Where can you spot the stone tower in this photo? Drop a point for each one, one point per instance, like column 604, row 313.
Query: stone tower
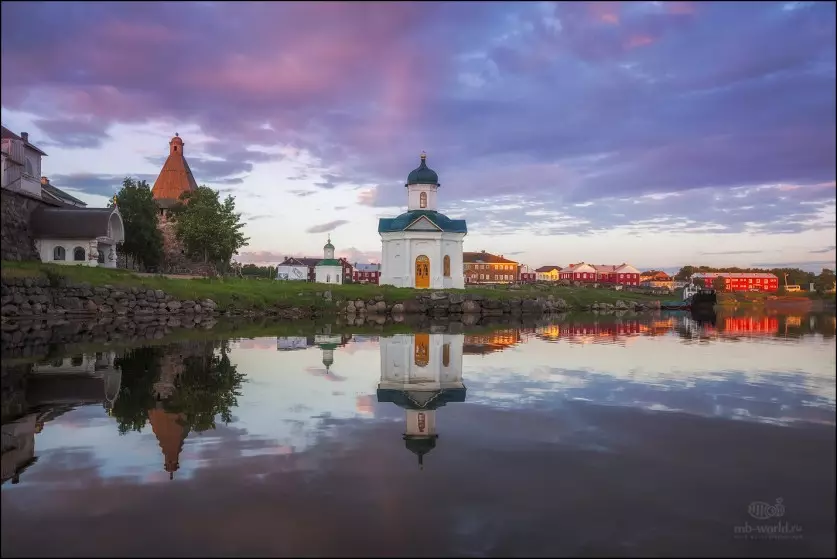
column 174, row 179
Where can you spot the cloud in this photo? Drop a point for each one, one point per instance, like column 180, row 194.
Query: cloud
column 302, row 193
column 328, row 226
column 562, row 104
column 103, row 185
column 354, row 255
column 807, row 265
column 824, row 250
column 727, row 252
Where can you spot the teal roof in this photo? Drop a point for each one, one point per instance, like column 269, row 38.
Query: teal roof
column 400, row 223
column 329, row 262
column 328, row 245
column 423, row 174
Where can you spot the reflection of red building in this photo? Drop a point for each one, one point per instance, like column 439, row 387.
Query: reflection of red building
column 750, row 325
column 591, row 330
column 488, row 343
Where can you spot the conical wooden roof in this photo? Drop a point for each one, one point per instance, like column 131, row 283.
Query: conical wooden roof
column 171, row 430
column 175, row 177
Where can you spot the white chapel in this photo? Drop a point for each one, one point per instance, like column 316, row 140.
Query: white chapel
column 329, row 269
column 422, row 247
column 421, row 373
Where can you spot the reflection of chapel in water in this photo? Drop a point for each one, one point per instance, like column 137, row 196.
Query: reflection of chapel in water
column 421, row 373
column 325, row 340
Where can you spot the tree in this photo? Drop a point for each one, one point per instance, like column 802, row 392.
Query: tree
column 143, row 241
column 825, row 280
column 718, row 284
column 685, row 273
column 209, row 229
column 140, row 369
column 208, row 387
column 699, row 282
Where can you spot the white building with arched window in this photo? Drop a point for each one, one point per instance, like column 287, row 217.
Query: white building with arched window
column 329, row 269
column 422, row 247
column 78, row 236
column 420, row 373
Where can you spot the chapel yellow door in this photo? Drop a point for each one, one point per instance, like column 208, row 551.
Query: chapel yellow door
column 422, row 272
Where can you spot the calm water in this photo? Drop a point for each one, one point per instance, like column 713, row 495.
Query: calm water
column 593, row 437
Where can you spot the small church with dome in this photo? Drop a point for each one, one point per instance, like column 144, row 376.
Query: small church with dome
column 422, row 247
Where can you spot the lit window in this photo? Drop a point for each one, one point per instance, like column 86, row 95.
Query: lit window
column 423, row 200
column 446, row 266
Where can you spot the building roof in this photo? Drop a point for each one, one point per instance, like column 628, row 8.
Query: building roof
column 7, row 134
column 290, row 261
column 58, row 193
column 403, row 221
column 367, row 267
column 423, row 174
column 548, row 268
column 485, row 258
column 330, row 262
column 175, row 177
column 576, row 266
column 71, row 223
column 409, row 399
column 735, row 275
column 171, row 430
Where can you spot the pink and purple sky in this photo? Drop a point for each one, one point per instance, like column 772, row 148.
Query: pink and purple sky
column 658, row 133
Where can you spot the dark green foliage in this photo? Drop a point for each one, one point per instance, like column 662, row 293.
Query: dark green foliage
column 143, row 241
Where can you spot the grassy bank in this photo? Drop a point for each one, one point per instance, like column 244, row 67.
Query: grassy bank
column 260, row 294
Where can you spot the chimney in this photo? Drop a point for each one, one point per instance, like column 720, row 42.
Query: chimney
column 483, row 252
column 45, row 180
column 25, row 137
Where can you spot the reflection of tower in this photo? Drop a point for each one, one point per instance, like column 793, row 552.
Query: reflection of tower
column 328, row 342
column 113, row 383
column 421, row 373
column 171, row 366
column 171, row 430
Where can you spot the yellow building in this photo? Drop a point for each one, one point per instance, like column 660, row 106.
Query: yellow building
column 548, row 273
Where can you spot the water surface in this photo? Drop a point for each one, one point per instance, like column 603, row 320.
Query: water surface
column 594, row 436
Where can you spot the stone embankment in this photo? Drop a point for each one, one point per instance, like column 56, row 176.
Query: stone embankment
column 36, row 296
column 456, row 305
column 36, row 337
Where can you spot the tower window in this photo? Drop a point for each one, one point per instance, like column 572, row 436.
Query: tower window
column 446, row 265
column 423, row 200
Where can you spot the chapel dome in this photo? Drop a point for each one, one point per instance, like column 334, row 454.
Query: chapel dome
column 423, row 174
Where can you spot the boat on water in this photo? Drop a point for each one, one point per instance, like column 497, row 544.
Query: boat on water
column 693, row 297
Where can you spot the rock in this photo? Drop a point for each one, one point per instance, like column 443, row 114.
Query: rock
column 397, row 308
column 381, row 307
column 90, row 306
column 456, row 298
column 173, row 305
column 209, row 305
column 438, row 296
column 197, row 308
column 327, row 295
column 359, row 304
column 471, row 307
column 160, row 294
column 621, row 305
column 350, row 307
column 379, row 298
column 411, row 306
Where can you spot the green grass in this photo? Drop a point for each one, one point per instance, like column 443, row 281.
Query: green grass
column 261, row 294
